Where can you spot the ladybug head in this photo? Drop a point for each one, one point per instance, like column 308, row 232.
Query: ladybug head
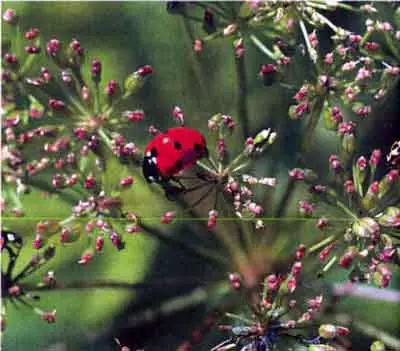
column 150, row 169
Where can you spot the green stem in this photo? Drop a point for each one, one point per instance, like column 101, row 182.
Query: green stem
column 257, row 42
column 392, row 46
column 186, row 246
column 322, row 244
column 311, row 51
column 316, row 111
column 344, row 208
column 242, row 104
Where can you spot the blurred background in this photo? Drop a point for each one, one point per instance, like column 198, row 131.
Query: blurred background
column 178, row 289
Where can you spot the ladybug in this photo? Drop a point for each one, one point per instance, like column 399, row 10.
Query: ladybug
column 169, row 153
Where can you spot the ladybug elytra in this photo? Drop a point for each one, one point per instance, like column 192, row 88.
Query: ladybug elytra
column 169, row 153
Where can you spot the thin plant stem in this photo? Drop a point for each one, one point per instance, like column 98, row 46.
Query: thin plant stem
column 257, row 42
column 242, row 103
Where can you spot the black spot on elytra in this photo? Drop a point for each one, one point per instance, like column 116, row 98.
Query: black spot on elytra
column 177, row 145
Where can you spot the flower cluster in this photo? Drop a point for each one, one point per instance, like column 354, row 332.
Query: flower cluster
column 61, row 114
column 13, row 288
column 227, row 174
column 276, row 312
column 367, row 246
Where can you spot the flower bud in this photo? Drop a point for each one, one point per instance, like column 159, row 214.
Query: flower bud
column 365, row 227
column 269, row 74
column 382, row 276
column 127, row 181
column 235, row 280
column 10, row 17
column 378, row 346
column 198, row 46
column 112, row 89
column 230, row 29
column 53, row 47
column 96, row 70
column 347, row 259
column 168, row 217
column 327, row 331
column 390, row 217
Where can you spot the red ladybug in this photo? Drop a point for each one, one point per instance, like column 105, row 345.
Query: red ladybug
column 171, row 152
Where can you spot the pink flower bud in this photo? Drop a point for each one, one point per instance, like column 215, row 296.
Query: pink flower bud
column 322, row 223
column 335, row 162
column 127, row 181
column 349, row 186
column 297, row 174
column 144, row 71
column 111, row 88
column 90, row 182
column 235, row 280
column 347, row 259
column 134, row 116
column 329, row 58
column 178, row 115
column 296, row 268
column 168, row 217
column 49, row 317
column 292, row 284
column 65, row 235
column 10, row 58
column 37, row 242
column 267, row 69
column 55, row 104
column 198, row 46
column 273, row 282
column 300, row 252
column 312, row 37
column 53, row 47
column 392, row 176
column 96, row 70
column 9, row 16
column 32, row 49
column 301, row 94
column 305, row 208
column 362, row 163
column 325, row 253
column 375, row 157
column 315, row 303
column 14, row 291
column 86, row 258
column 371, row 46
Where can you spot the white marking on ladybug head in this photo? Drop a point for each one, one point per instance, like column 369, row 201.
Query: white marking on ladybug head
column 148, row 153
column 154, row 160
column 165, row 140
column 151, row 178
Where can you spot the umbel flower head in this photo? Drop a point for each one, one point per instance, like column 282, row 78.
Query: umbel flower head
column 365, row 244
column 276, row 312
column 226, row 173
column 60, row 113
